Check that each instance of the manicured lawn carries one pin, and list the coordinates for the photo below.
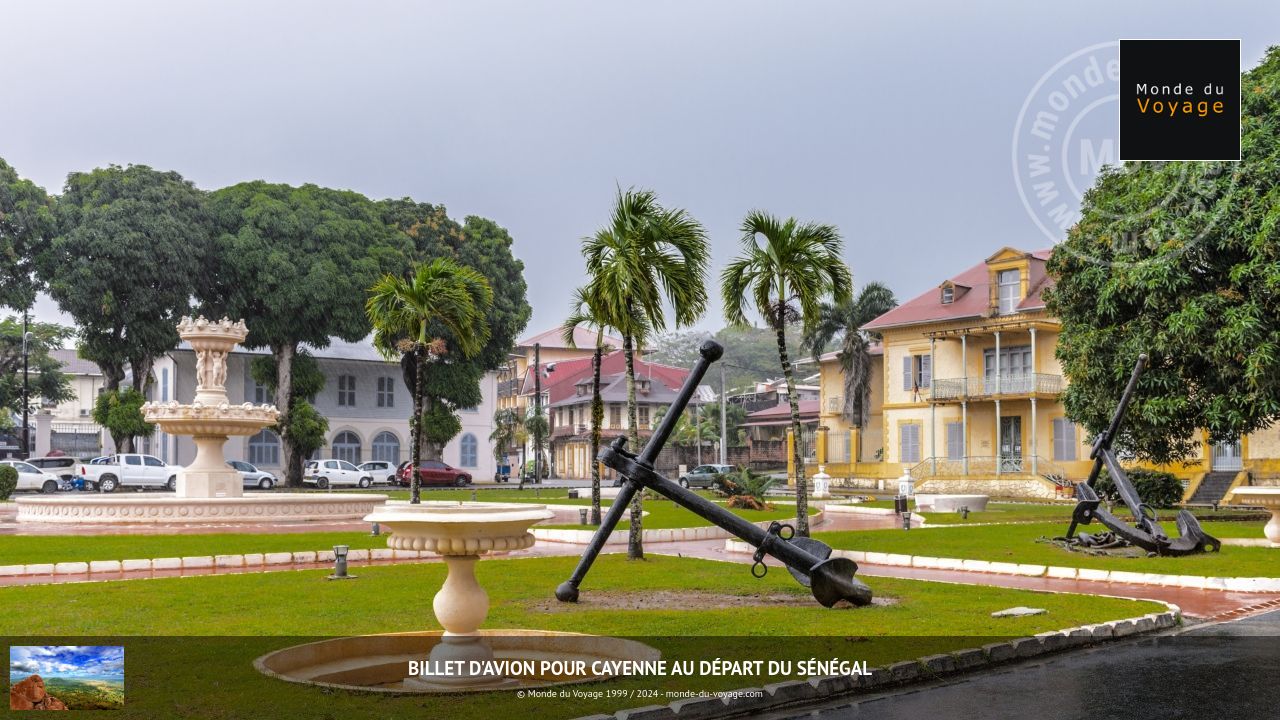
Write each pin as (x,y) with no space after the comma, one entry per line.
(663,514)
(1008,512)
(31,549)
(1018,543)
(214,677)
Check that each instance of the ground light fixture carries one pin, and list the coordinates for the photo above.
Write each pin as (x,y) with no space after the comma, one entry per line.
(906,520)
(340,563)
(582,514)
(375,531)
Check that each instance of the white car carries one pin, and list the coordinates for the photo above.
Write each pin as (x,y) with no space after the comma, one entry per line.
(252,476)
(31,477)
(326,473)
(381,470)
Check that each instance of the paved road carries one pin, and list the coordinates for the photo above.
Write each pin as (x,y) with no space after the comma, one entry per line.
(1213,672)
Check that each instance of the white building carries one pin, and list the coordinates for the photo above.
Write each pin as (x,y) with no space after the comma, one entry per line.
(364,399)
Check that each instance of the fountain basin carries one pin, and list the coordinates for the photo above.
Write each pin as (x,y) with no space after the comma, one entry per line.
(380,663)
(459,528)
(168,508)
(1266,497)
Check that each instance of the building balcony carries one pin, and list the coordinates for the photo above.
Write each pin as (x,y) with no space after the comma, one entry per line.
(946,390)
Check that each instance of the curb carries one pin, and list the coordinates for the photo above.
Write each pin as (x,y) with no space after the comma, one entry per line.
(619,537)
(204,562)
(752,701)
(1232,584)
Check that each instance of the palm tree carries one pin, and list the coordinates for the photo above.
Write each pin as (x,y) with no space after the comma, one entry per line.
(586,311)
(786,277)
(844,320)
(645,258)
(504,433)
(407,313)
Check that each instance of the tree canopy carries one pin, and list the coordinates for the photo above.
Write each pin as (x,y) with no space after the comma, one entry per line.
(44,373)
(131,245)
(1180,261)
(26,224)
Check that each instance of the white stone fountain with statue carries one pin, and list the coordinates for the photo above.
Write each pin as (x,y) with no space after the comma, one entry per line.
(208,490)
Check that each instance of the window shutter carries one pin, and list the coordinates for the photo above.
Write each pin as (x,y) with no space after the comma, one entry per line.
(906,372)
(926,371)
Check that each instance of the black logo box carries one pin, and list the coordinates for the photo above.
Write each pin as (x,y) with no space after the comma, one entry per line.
(1161,77)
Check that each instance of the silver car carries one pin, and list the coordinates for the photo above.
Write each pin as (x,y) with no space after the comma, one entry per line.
(704,475)
(252,476)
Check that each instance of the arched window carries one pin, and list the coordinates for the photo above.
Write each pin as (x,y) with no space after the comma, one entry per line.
(468,451)
(386,446)
(346,446)
(264,448)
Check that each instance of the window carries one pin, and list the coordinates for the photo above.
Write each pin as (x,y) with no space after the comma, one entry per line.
(260,394)
(955,441)
(347,390)
(948,294)
(164,384)
(386,446)
(467,456)
(615,416)
(152,461)
(1064,439)
(346,446)
(917,371)
(642,416)
(386,392)
(909,443)
(1009,290)
(344,465)
(264,448)
(132,460)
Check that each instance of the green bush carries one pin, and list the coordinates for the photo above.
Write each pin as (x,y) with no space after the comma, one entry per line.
(8,481)
(1156,488)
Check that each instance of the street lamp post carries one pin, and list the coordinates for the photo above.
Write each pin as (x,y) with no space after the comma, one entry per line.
(26,390)
(723,433)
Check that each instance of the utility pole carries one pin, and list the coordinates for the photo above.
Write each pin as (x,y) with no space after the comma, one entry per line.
(26,390)
(537,409)
(724,436)
(697,428)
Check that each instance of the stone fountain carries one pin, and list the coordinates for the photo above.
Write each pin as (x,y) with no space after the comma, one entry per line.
(461,533)
(1265,497)
(208,491)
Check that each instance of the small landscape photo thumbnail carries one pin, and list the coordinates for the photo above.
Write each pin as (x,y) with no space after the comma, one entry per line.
(66,677)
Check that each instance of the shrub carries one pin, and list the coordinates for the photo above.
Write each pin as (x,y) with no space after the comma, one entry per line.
(8,481)
(744,490)
(1156,488)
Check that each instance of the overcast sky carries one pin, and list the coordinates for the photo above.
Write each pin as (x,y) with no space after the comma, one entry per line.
(892,120)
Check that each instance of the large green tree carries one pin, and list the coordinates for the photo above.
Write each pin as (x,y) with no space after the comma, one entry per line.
(295,264)
(843,321)
(404,311)
(307,427)
(26,224)
(44,379)
(1181,261)
(131,245)
(785,271)
(646,258)
(485,247)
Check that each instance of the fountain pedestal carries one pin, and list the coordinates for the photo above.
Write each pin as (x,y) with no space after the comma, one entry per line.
(1266,497)
(460,533)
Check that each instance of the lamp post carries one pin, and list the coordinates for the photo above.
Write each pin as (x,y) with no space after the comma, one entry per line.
(340,563)
(26,389)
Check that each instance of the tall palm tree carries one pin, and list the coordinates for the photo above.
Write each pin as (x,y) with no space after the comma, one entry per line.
(646,258)
(407,312)
(586,311)
(845,320)
(786,269)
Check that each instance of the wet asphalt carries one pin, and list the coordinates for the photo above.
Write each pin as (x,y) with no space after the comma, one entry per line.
(1226,671)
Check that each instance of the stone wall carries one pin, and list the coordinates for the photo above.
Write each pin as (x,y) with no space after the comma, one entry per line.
(1011,487)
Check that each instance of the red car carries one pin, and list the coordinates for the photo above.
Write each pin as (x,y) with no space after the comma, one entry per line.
(434,472)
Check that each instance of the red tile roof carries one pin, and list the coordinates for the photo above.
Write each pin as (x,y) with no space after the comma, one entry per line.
(559,383)
(971,303)
(584,338)
(782,411)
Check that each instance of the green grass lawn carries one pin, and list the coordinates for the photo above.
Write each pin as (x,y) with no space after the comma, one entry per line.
(663,514)
(1009,512)
(1018,543)
(32,549)
(214,678)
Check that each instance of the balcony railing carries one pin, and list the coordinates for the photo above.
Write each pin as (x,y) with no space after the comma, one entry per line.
(1006,385)
(986,466)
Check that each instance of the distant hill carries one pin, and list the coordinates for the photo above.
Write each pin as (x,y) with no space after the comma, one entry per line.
(80,694)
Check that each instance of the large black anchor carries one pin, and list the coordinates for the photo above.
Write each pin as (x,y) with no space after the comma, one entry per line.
(1145,532)
(830,579)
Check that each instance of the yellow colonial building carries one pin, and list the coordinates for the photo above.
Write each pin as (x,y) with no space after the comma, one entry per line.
(965,398)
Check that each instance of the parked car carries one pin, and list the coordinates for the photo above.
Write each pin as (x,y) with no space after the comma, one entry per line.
(31,477)
(64,466)
(381,470)
(324,473)
(703,476)
(435,472)
(131,470)
(252,476)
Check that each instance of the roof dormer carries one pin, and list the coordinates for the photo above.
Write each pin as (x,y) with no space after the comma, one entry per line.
(1009,274)
(949,292)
